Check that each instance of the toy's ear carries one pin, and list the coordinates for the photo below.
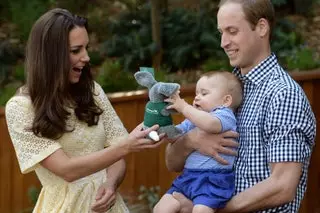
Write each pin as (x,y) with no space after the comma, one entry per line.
(145,79)
(168,89)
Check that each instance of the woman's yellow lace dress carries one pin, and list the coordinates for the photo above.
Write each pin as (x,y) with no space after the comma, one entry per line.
(57,195)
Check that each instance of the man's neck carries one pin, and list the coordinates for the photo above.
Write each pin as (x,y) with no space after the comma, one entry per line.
(262,57)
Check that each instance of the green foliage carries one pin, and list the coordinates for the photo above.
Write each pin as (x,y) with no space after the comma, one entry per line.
(4,10)
(18,72)
(279,2)
(285,39)
(188,37)
(24,13)
(10,73)
(213,64)
(190,40)
(162,74)
(96,58)
(302,58)
(33,194)
(6,93)
(131,39)
(296,6)
(149,195)
(138,208)
(12,82)
(112,78)
(10,53)
(74,6)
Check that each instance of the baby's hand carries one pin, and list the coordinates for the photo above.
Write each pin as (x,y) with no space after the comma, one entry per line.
(176,102)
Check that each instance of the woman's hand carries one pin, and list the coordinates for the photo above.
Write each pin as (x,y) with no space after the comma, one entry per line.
(137,139)
(105,199)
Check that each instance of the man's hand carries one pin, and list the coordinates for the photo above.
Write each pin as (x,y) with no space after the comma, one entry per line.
(206,143)
(105,199)
(213,144)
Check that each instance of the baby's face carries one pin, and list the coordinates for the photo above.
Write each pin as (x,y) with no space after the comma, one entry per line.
(209,93)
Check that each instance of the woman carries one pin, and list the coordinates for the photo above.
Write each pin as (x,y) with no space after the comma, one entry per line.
(62,125)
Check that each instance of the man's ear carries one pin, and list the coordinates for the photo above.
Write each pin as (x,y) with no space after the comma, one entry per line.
(263,27)
(227,100)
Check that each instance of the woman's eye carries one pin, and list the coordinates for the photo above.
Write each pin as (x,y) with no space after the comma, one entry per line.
(75,51)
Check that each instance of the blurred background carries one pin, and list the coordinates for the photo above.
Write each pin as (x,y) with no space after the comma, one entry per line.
(179,38)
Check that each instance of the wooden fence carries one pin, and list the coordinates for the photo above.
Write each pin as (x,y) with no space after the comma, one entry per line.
(148,167)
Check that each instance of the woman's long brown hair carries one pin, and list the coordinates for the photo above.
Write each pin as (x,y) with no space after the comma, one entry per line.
(47,68)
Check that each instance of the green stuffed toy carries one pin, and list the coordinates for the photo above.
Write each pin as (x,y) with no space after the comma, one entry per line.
(155,110)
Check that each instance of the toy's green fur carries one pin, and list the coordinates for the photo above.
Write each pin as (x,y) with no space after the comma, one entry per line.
(155,111)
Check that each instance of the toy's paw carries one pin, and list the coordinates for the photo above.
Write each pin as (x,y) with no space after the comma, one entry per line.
(171,131)
(165,112)
(154,136)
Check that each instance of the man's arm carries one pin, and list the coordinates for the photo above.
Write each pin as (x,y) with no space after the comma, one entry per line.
(208,144)
(278,189)
(177,153)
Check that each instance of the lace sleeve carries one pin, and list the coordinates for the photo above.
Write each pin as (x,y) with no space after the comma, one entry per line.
(113,126)
(30,149)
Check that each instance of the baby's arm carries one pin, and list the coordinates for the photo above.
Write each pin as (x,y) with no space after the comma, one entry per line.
(203,120)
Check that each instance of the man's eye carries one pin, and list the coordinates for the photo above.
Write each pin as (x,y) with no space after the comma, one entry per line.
(232,32)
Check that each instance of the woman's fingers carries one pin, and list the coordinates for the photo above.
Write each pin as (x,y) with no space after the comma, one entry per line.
(148,130)
(149,144)
(139,127)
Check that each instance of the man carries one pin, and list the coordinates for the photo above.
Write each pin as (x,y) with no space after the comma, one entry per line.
(275,122)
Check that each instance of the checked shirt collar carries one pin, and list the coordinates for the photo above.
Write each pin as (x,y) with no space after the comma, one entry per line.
(259,73)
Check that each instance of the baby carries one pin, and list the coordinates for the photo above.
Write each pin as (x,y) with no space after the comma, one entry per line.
(206,182)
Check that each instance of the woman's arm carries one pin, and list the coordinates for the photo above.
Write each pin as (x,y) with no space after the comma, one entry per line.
(73,168)
(106,195)
(116,173)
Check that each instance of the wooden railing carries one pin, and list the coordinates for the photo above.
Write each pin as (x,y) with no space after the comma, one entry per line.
(148,167)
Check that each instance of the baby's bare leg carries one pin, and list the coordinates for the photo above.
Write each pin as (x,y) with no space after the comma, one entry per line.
(202,209)
(167,204)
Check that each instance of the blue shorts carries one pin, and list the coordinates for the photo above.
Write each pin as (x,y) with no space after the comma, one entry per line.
(212,188)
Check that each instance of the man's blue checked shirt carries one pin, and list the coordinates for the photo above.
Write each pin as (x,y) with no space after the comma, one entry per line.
(276,124)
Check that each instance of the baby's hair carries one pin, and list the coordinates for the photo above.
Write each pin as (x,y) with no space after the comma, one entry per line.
(232,85)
